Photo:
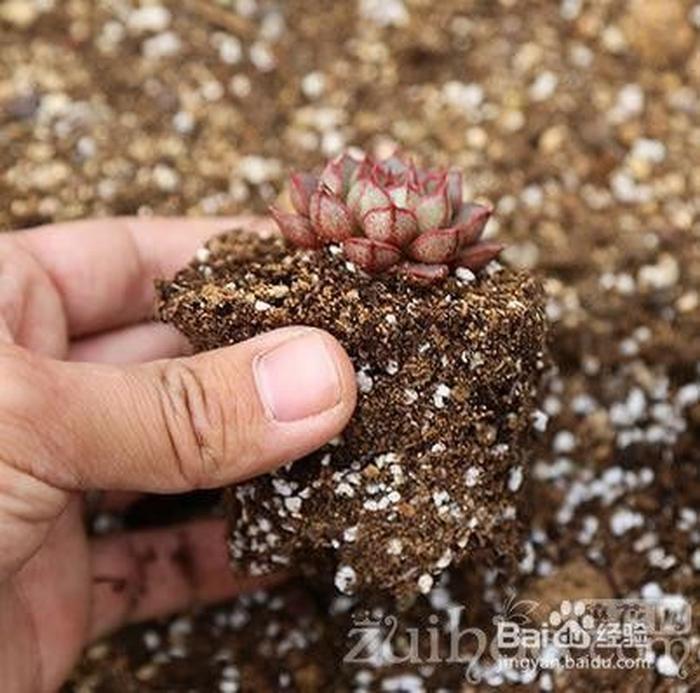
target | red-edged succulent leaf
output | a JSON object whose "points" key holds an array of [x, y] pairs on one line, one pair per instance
{"points": [[432, 181], [353, 197], [395, 165], [471, 221], [363, 170], [390, 224], [405, 227], [349, 164], [435, 247], [433, 210], [371, 256], [332, 177], [476, 257], [399, 195], [372, 196], [296, 229], [413, 176], [424, 274], [330, 218], [414, 197], [338, 174], [454, 188], [301, 187]]}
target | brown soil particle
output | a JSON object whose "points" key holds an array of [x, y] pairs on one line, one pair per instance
{"points": [[432, 464]]}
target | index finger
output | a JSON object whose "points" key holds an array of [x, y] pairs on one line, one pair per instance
{"points": [[104, 270]]}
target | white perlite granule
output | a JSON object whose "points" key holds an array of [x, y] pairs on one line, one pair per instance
{"points": [[293, 504], [464, 274], [539, 421], [667, 666], [345, 579], [623, 520], [384, 12], [515, 479], [162, 45], [202, 255], [425, 583], [410, 396], [471, 476], [344, 489], [445, 559], [442, 394], [394, 547], [364, 382], [153, 18]]}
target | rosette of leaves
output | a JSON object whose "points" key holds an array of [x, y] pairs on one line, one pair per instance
{"points": [[389, 216]]}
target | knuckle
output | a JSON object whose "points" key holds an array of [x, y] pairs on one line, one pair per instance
{"points": [[195, 423], [25, 402], [31, 393]]}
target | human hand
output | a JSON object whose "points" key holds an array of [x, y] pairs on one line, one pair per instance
{"points": [[84, 404]]}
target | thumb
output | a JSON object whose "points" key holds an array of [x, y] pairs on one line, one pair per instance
{"points": [[177, 425]]}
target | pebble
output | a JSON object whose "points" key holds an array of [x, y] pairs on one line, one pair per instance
{"points": [[544, 86], [230, 49], [384, 12], [19, 13], [649, 150], [257, 169], [313, 84], [570, 9], [262, 57], [150, 18], [166, 178], [658, 31], [662, 275], [630, 102], [240, 86], [162, 45], [466, 97]]}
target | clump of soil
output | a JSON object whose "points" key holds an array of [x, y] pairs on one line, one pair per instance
{"points": [[431, 466], [579, 127]]}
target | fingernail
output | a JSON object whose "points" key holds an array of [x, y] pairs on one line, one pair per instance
{"points": [[298, 379]]}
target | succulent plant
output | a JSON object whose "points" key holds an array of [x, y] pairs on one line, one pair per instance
{"points": [[389, 216]]}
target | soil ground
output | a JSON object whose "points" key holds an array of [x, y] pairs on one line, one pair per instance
{"points": [[578, 120]]}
